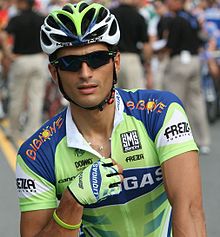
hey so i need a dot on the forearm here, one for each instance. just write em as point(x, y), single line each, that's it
point(69, 211)
point(188, 221)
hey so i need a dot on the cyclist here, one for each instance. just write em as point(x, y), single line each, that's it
point(151, 184)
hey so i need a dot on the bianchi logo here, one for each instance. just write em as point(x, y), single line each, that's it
point(130, 141)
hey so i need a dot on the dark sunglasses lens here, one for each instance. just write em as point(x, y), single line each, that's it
point(98, 59)
point(94, 60)
point(69, 63)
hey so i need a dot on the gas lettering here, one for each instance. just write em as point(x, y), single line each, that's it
point(147, 180)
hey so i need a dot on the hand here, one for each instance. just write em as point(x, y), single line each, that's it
point(97, 181)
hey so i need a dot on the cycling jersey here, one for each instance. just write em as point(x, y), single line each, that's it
point(150, 127)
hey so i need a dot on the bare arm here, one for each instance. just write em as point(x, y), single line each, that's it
point(41, 224)
point(183, 185)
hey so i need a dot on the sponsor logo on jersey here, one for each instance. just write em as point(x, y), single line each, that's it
point(134, 158)
point(95, 180)
point(68, 179)
point(25, 185)
point(177, 130)
point(28, 186)
point(147, 180)
point(150, 105)
point(130, 141)
point(117, 96)
point(80, 181)
point(137, 182)
point(79, 152)
point(83, 163)
point(45, 135)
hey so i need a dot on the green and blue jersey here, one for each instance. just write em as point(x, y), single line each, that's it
point(150, 127)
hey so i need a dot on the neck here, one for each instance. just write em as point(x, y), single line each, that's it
point(94, 123)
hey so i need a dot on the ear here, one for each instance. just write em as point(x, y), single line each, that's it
point(117, 62)
point(53, 72)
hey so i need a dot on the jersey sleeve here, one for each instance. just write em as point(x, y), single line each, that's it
point(175, 135)
point(35, 168)
point(34, 191)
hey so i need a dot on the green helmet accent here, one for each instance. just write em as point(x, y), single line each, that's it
point(78, 24)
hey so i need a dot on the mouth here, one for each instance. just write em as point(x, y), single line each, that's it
point(87, 89)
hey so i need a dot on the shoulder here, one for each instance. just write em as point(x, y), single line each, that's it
point(146, 96)
point(149, 106)
point(49, 135)
point(37, 153)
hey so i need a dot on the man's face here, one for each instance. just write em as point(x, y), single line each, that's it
point(85, 85)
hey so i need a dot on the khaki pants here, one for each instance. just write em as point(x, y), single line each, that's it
point(184, 80)
point(27, 80)
point(131, 73)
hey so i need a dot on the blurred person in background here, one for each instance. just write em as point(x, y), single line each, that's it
point(182, 73)
point(133, 44)
point(27, 72)
point(160, 56)
point(3, 21)
point(213, 58)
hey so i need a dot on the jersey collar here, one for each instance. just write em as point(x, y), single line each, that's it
point(75, 138)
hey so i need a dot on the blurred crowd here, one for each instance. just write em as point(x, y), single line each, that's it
point(165, 44)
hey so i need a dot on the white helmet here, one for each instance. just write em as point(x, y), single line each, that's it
point(78, 24)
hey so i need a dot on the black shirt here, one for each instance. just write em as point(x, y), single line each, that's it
point(183, 34)
point(25, 28)
point(132, 27)
point(163, 26)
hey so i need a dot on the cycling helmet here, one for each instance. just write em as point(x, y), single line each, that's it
point(78, 24)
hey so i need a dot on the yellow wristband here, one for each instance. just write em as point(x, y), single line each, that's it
point(63, 224)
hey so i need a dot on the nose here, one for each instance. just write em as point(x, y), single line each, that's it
point(85, 70)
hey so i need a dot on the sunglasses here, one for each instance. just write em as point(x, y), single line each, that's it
point(94, 60)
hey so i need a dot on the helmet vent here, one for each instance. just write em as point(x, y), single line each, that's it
point(102, 14)
point(83, 6)
point(68, 23)
point(61, 38)
point(45, 39)
point(52, 23)
point(68, 9)
point(97, 33)
point(113, 28)
point(87, 19)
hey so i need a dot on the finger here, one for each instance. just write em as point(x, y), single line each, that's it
point(120, 168)
point(112, 160)
point(113, 170)
point(115, 181)
point(106, 162)
point(114, 190)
